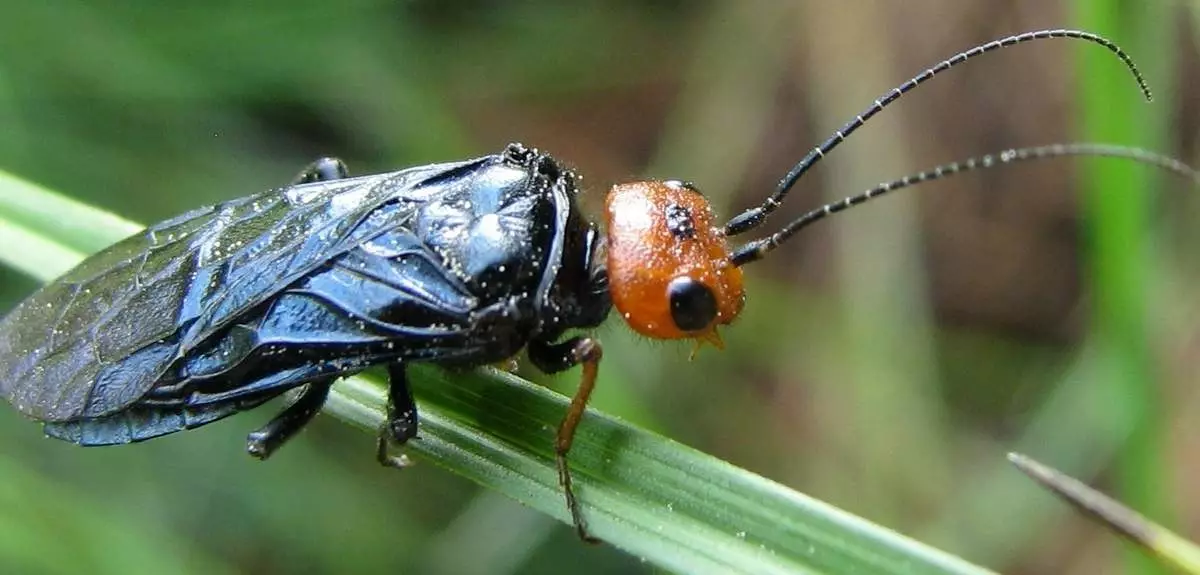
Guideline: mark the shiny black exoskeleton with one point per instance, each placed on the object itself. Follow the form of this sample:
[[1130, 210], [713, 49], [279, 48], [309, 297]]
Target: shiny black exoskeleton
[[226, 307]]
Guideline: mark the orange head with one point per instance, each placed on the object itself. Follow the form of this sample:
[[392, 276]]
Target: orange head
[[669, 271]]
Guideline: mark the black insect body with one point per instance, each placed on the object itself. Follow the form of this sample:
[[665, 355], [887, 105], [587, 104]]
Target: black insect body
[[224, 308]]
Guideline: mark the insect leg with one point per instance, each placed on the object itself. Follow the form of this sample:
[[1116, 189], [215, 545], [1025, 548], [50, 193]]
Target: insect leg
[[262, 442], [551, 358], [322, 170], [401, 424]]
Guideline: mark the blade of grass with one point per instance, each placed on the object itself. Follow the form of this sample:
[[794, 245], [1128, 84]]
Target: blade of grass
[[75, 226], [1117, 205], [669, 504]]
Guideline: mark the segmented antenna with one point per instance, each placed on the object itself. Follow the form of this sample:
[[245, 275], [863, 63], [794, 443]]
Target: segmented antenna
[[752, 217], [757, 249]]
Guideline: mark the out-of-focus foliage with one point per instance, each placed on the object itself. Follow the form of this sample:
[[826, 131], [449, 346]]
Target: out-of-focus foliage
[[885, 363]]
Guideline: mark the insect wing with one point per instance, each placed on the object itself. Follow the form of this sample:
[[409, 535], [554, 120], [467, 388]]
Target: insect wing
[[102, 335], [317, 222]]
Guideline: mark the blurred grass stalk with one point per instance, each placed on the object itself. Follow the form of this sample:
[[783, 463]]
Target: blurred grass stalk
[[1117, 202], [883, 370], [1125, 522]]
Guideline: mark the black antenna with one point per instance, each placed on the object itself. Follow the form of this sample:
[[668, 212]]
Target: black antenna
[[751, 218], [757, 249]]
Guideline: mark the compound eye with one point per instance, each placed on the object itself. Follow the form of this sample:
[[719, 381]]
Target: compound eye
[[693, 305]]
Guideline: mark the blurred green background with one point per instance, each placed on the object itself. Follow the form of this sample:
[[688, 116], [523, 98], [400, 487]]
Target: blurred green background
[[886, 360]]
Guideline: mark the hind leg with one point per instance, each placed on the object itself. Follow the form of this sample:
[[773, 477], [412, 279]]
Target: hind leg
[[401, 424], [262, 442]]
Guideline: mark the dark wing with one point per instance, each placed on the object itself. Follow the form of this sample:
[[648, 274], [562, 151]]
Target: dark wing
[[390, 298], [325, 325], [98, 338]]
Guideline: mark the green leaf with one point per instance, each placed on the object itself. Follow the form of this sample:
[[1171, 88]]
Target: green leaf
[[666, 503]]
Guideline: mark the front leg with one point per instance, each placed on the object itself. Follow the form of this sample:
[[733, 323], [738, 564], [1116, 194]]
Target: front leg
[[552, 358], [401, 424]]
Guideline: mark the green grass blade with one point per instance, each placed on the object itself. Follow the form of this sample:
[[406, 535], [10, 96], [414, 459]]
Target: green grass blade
[[76, 226], [671, 505]]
